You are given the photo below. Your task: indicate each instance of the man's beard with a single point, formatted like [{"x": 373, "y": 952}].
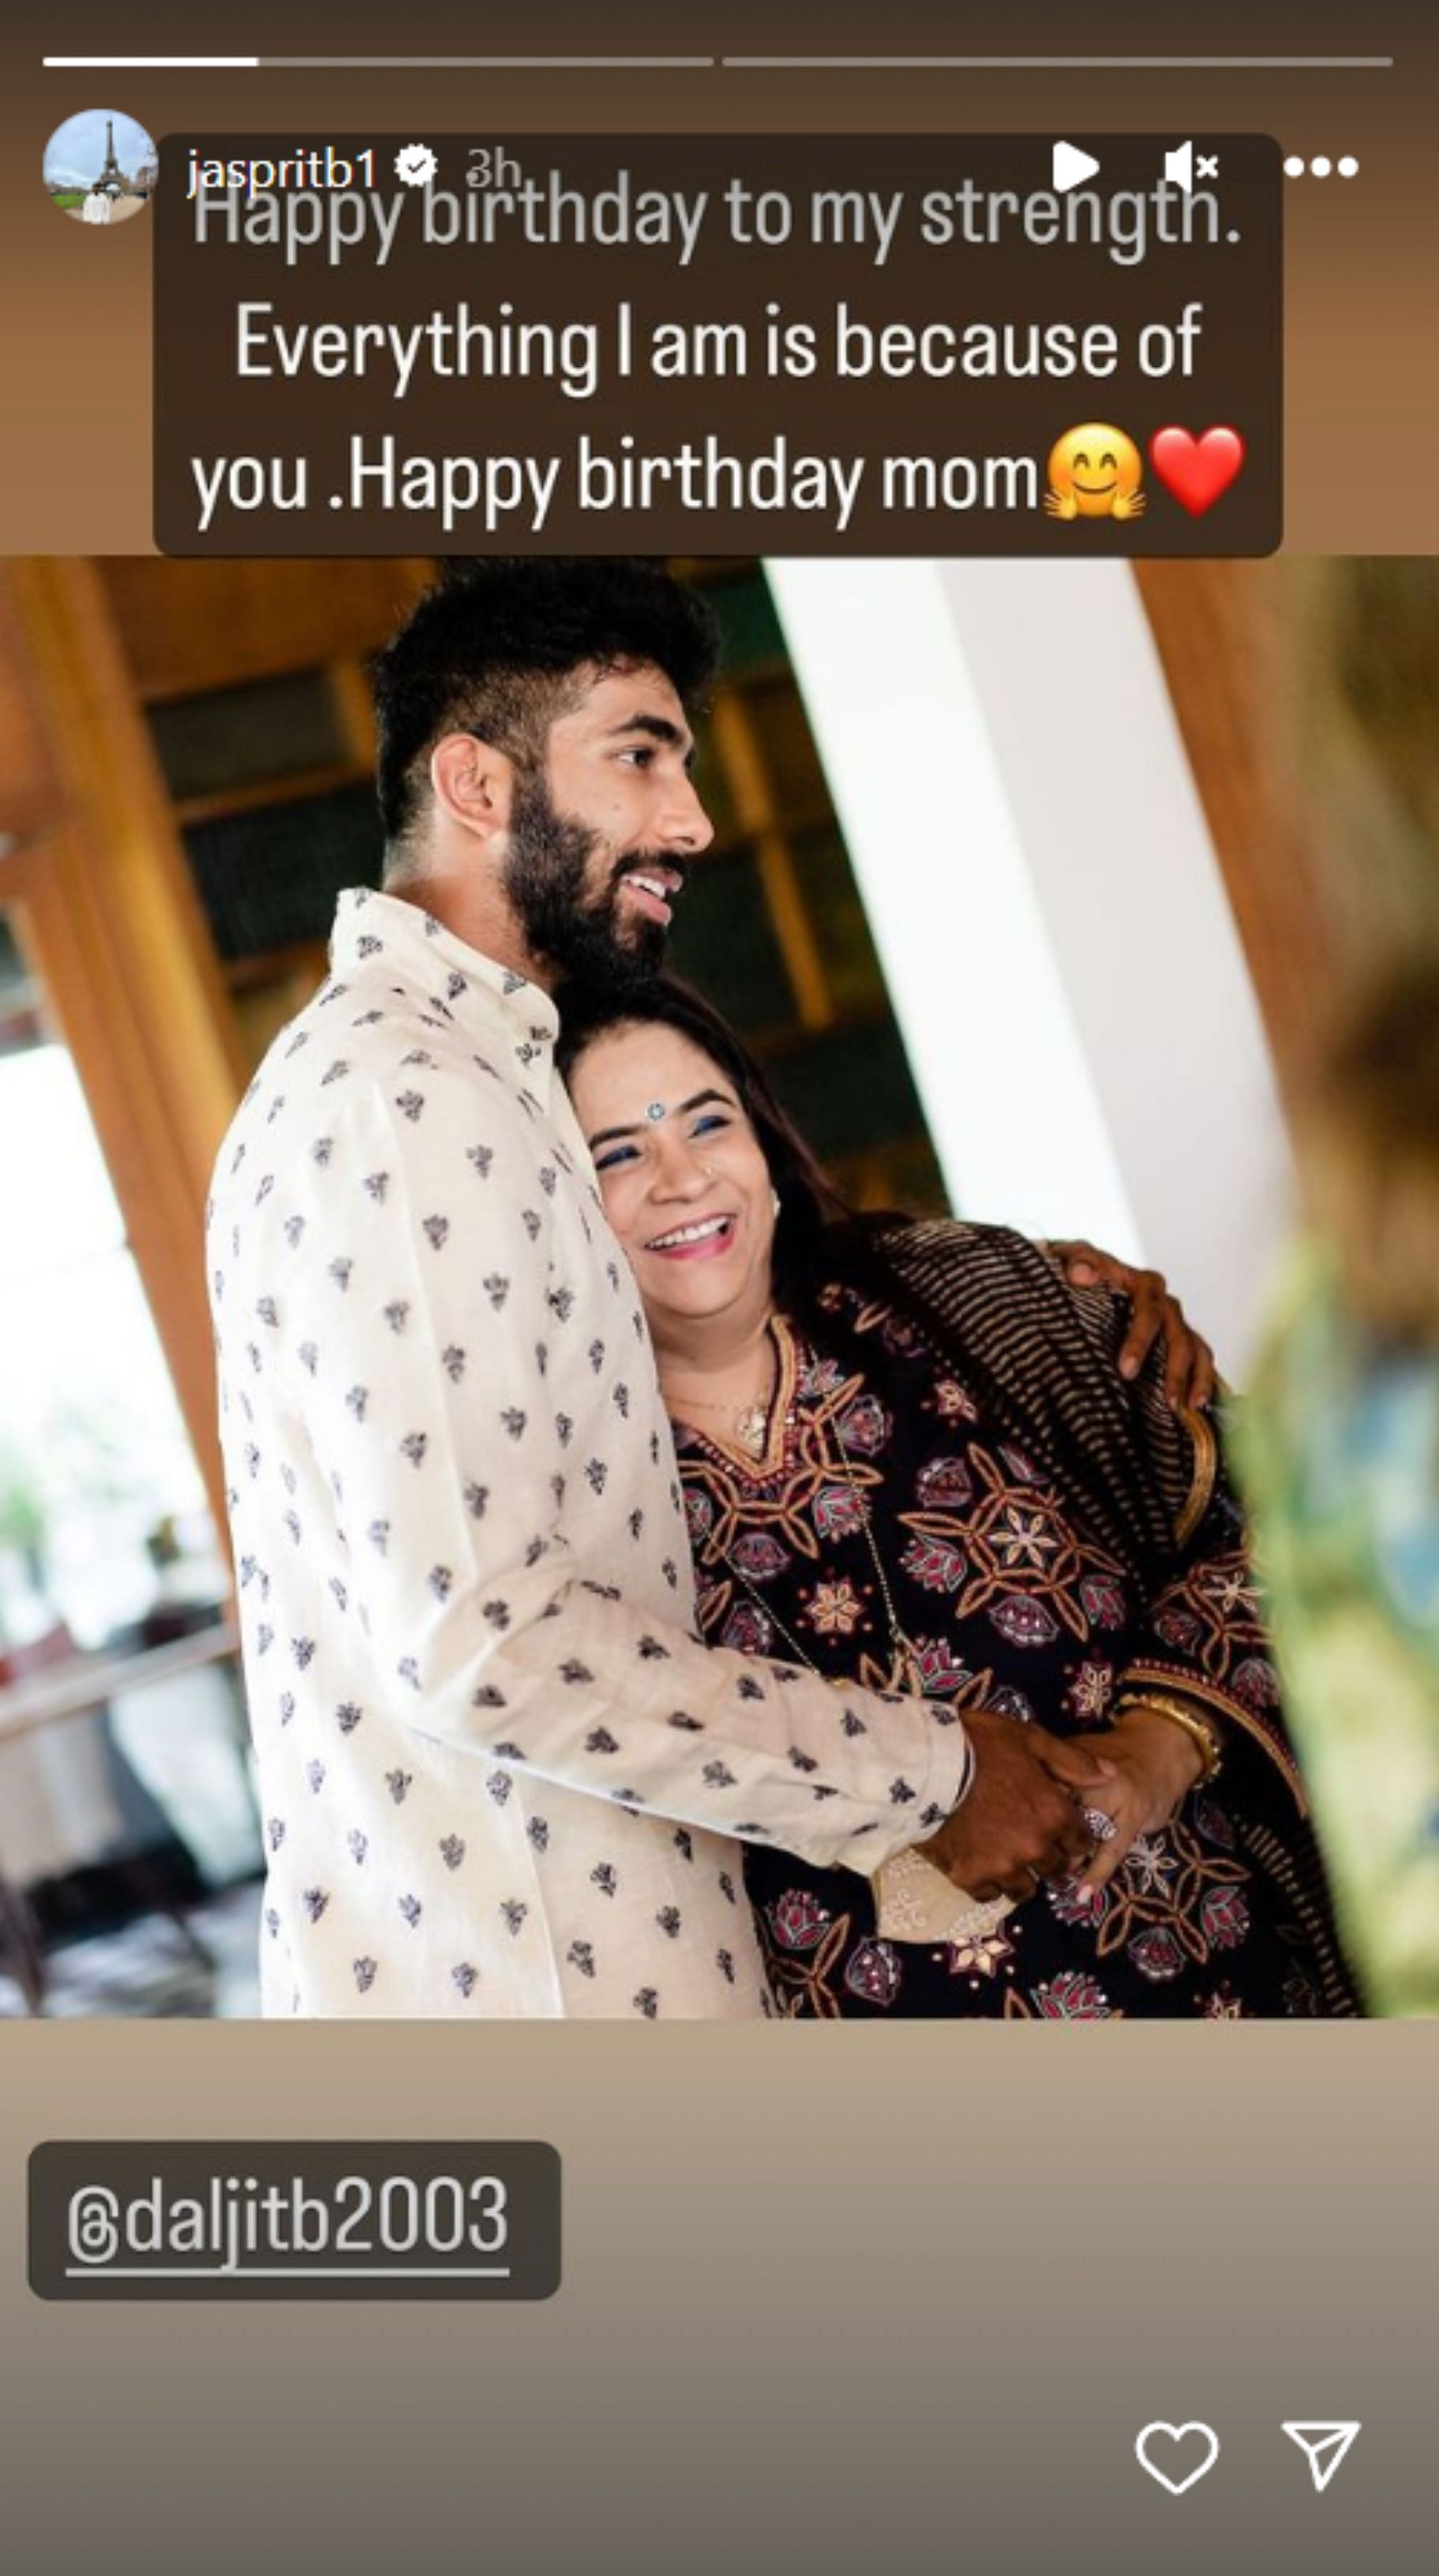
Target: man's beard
[{"x": 580, "y": 936}]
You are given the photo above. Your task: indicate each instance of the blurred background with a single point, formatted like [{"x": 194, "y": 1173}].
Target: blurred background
[{"x": 1022, "y": 883}]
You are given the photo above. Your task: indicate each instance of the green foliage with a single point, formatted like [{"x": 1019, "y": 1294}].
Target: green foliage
[{"x": 22, "y": 1512}]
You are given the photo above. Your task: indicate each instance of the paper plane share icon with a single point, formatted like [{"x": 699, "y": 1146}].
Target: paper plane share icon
[{"x": 1324, "y": 2446}]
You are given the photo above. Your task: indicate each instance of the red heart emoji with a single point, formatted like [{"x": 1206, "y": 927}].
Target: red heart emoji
[{"x": 1196, "y": 470}]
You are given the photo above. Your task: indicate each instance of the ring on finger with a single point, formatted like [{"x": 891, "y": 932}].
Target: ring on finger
[{"x": 1101, "y": 1826}]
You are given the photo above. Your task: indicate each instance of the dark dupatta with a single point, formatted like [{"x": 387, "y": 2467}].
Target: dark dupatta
[{"x": 1140, "y": 1473}]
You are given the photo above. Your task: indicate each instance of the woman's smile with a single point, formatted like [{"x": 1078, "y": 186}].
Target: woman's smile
[{"x": 701, "y": 1239}]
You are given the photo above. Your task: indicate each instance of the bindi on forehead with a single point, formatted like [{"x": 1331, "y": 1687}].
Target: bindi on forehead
[{"x": 655, "y": 1110}]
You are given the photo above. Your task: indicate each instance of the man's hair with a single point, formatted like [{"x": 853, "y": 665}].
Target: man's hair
[{"x": 501, "y": 645}]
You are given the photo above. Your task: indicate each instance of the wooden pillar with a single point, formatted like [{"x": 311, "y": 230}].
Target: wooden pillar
[
  {"x": 112, "y": 922},
  {"x": 1222, "y": 633}
]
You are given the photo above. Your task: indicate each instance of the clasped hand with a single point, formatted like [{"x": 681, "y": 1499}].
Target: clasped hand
[{"x": 1024, "y": 1818}]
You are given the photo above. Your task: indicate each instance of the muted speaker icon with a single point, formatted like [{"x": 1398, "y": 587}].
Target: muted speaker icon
[{"x": 1181, "y": 168}]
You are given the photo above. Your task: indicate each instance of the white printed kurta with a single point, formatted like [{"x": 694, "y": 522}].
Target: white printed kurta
[{"x": 499, "y": 1772}]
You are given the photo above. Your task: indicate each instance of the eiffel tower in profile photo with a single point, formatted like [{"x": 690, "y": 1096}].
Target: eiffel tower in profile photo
[{"x": 112, "y": 181}]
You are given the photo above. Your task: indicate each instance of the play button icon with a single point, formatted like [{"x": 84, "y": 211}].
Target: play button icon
[
  {"x": 1071, "y": 165},
  {"x": 1324, "y": 2446}
]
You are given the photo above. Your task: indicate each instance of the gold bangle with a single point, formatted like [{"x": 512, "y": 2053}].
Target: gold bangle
[{"x": 1198, "y": 1728}]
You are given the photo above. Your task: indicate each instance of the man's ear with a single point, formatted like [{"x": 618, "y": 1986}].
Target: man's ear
[{"x": 472, "y": 783}]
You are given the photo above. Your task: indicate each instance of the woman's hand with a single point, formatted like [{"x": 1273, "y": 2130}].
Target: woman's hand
[
  {"x": 1155, "y": 1764},
  {"x": 1022, "y": 1819},
  {"x": 1189, "y": 1372}
]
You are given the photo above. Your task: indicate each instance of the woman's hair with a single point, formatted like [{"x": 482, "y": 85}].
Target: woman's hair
[{"x": 817, "y": 1233}]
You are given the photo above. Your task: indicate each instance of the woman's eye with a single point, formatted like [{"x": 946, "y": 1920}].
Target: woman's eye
[
  {"x": 611, "y": 1161},
  {"x": 703, "y": 1126}
]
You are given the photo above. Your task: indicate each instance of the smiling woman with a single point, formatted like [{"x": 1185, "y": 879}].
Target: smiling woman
[
  {"x": 909, "y": 1461},
  {"x": 688, "y": 1191}
]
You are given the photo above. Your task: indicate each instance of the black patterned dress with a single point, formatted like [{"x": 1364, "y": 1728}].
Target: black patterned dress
[{"x": 1010, "y": 1606}]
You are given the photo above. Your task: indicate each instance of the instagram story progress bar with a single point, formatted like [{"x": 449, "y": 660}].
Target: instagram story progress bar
[{"x": 721, "y": 62}]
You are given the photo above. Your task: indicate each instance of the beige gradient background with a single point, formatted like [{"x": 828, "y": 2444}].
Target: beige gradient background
[
  {"x": 1363, "y": 380},
  {"x": 856, "y": 2299}
]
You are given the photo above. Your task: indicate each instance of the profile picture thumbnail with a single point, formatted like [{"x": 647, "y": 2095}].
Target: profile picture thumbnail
[{"x": 100, "y": 166}]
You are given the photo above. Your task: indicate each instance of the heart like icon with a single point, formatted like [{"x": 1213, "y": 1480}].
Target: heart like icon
[
  {"x": 1154, "y": 2438},
  {"x": 1196, "y": 470}
]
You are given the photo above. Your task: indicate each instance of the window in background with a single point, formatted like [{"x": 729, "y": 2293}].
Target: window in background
[
  {"x": 97, "y": 1480},
  {"x": 255, "y": 699}
]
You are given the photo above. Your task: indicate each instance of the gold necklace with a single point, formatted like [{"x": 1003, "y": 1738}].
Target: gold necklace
[
  {"x": 749, "y": 1423},
  {"x": 906, "y": 1671}
]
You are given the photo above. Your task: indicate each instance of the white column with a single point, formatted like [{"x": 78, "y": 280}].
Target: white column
[{"x": 1049, "y": 911}]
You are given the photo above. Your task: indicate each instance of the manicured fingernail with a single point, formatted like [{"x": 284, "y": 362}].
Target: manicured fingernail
[{"x": 1129, "y": 1366}]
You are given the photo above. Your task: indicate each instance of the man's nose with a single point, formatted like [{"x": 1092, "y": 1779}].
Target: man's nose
[{"x": 687, "y": 827}]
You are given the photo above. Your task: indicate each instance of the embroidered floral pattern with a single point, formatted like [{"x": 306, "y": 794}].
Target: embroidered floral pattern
[
  {"x": 1090, "y": 1692},
  {"x": 1072, "y": 1997},
  {"x": 982, "y": 1955},
  {"x": 1008, "y": 1606},
  {"x": 798, "y": 1918},
  {"x": 872, "y": 1971},
  {"x": 835, "y": 1609}
]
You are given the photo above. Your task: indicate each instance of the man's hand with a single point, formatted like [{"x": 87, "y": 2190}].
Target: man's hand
[
  {"x": 1154, "y": 1763},
  {"x": 1022, "y": 1821},
  {"x": 1189, "y": 1372}
]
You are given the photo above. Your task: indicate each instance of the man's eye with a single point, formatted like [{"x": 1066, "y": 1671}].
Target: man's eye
[{"x": 642, "y": 756}]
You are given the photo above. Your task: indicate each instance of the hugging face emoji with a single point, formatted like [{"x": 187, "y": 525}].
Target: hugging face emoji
[{"x": 1095, "y": 472}]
